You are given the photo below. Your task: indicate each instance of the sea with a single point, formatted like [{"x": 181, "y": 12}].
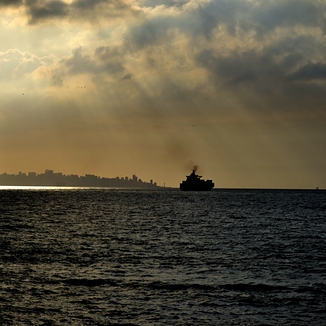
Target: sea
[{"x": 91, "y": 256}]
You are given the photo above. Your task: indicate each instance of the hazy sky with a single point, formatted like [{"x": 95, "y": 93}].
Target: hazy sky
[{"x": 153, "y": 87}]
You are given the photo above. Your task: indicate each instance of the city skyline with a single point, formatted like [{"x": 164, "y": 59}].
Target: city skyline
[
  {"x": 52, "y": 178},
  {"x": 109, "y": 87}
]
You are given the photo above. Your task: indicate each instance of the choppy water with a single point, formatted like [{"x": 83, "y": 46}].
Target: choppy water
[{"x": 135, "y": 257}]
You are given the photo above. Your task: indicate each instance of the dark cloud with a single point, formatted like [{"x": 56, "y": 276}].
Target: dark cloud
[
  {"x": 240, "y": 67},
  {"x": 104, "y": 61},
  {"x": 262, "y": 17},
  {"x": 167, "y": 3},
  {"x": 126, "y": 77},
  {"x": 87, "y": 4},
  {"x": 310, "y": 72},
  {"x": 279, "y": 61},
  {"x": 42, "y": 10},
  {"x": 109, "y": 59},
  {"x": 269, "y": 75},
  {"x": 10, "y": 2},
  {"x": 231, "y": 13},
  {"x": 274, "y": 14},
  {"x": 236, "y": 16},
  {"x": 194, "y": 22},
  {"x": 105, "y": 53},
  {"x": 99, "y": 10},
  {"x": 148, "y": 33},
  {"x": 79, "y": 62},
  {"x": 303, "y": 46}
]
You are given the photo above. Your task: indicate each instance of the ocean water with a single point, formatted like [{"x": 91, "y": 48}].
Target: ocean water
[{"x": 138, "y": 257}]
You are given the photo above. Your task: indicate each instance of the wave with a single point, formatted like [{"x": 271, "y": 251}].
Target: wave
[
  {"x": 253, "y": 287},
  {"x": 89, "y": 282},
  {"x": 180, "y": 287}
]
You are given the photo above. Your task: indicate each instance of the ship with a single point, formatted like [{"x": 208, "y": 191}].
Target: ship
[{"x": 195, "y": 183}]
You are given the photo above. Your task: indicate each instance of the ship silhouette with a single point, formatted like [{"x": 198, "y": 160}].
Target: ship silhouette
[{"x": 195, "y": 183}]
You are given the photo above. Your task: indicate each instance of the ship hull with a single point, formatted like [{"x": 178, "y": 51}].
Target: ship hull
[{"x": 205, "y": 186}]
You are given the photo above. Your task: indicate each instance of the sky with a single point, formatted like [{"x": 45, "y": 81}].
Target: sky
[{"x": 152, "y": 88}]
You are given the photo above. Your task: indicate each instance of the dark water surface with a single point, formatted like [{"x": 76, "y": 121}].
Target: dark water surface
[{"x": 135, "y": 257}]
